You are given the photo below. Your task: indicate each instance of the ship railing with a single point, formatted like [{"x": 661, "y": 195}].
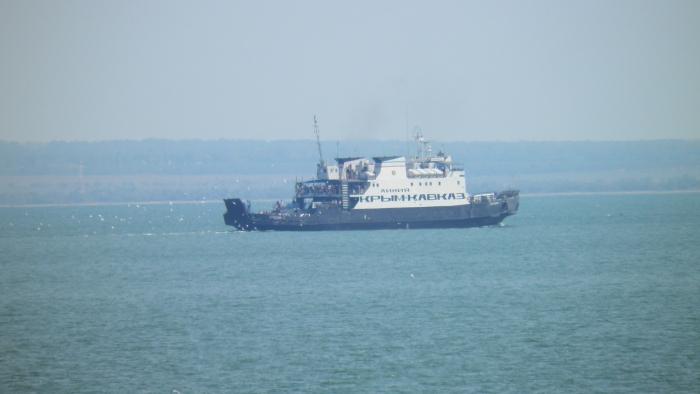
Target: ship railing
[
  {"x": 508, "y": 193},
  {"x": 357, "y": 174},
  {"x": 439, "y": 171},
  {"x": 456, "y": 166},
  {"x": 484, "y": 198},
  {"x": 317, "y": 189},
  {"x": 425, "y": 173},
  {"x": 316, "y": 194}
]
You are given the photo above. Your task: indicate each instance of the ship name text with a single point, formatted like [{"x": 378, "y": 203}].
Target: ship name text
[{"x": 413, "y": 197}]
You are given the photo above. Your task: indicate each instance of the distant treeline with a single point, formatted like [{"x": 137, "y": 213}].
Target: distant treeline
[
  {"x": 195, "y": 157},
  {"x": 65, "y": 172}
]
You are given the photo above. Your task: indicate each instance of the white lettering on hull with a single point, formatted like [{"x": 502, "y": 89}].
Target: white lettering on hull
[{"x": 410, "y": 200}]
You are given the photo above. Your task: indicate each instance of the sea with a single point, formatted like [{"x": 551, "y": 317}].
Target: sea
[{"x": 575, "y": 294}]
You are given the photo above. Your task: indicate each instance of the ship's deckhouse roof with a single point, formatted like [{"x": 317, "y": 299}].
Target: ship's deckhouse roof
[
  {"x": 341, "y": 160},
  {"x": 385, "y": 158},
  {"x": 378, "y": 159}
]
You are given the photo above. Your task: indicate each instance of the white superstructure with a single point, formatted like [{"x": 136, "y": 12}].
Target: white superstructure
[{"x": 395, "y": 182}]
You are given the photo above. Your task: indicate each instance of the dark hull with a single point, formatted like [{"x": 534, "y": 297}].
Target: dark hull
[{"x": 468, "y": 215}]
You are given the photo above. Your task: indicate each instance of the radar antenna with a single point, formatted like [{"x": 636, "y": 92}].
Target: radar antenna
[{"x": 318, "y": 141}]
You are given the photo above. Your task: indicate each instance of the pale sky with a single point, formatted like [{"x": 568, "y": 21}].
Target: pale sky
[{"x": 461, "y": 70}]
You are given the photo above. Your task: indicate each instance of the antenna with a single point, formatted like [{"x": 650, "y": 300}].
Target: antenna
[
  {"x": 318, "y": 141},
  {"x": 408, "y": 146},
  {"x": 420, "y": 142}
]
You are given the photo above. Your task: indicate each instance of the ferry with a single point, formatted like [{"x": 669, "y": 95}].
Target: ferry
[{"x": 388, "y": 192}]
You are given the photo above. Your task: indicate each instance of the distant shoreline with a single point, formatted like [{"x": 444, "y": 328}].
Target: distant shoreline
[{"x": 193, "y": 202}]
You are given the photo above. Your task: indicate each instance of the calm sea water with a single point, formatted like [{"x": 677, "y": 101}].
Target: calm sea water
[{"x": 574, "y": 294}]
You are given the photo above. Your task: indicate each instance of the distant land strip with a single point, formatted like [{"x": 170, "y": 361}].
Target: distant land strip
[{"x": 118, "y": 172}]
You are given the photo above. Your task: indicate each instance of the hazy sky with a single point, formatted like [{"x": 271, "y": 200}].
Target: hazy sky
[{"x": 482, "y": 70}]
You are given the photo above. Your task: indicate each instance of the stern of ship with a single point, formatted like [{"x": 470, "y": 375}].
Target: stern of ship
[{"x": 510, "y": 201}]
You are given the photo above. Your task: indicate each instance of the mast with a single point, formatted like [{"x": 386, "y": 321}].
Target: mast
[
  {"x": 318, "y": 142},
  {"x": 420, "y": 143},
  {"x": 425, "y": 151}
]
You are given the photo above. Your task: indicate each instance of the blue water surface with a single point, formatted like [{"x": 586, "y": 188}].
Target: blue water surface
[{"x": 574, "y": 294}]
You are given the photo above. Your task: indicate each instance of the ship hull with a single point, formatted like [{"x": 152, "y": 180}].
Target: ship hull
[{"x": 461, "y": 216}]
